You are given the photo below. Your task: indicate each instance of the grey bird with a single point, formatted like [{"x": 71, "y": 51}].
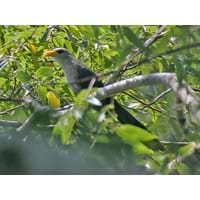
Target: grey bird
[{"x": 79, "y": 77}]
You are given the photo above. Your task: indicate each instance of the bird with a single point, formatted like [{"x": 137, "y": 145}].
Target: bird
[{"x": 79, "y": 77}]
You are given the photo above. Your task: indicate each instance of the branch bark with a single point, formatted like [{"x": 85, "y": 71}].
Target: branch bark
[{"x": 185, "y": 94}]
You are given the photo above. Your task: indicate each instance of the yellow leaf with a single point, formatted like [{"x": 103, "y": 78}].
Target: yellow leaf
[
  {"x": 53, "y": 100},
  {"x": 32, "y": 47}
]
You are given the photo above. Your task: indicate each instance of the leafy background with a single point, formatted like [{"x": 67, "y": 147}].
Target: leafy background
[{"x": 86, "y": 140}]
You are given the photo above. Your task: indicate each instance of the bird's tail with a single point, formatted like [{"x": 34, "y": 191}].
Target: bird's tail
[{"x": 125, "y": 117}]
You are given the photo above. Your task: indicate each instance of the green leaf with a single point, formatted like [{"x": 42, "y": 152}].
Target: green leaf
[
  {"x": 44, "y": 72},
  {"x": 74, "y": 30},
  {"x": 142, "y": 149},
  {"x": 68, "y": 45},
  {"x": 81, "y": 100},
  {"x": 42, "y": 93},
  {"x": 64, "y": 127},
  {"x": 87, "y": 31},
  {"x": 183, "y": 169},
  {"x": 132, "y": 37},
  {"x": 186, "y": 150},
  {"x": 180, "y": 71},
  {"x": 133, "y": 134},
  {"x": 47, "y": 33},
  {"x": 2, "y": 82},
  {"x": 22, "y": 76},
  {"x": 20, "y": 114},
  {"x": 102, "y": 139}
]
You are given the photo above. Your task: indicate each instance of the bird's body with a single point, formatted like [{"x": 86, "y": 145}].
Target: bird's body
[
  {"x": 72, "y": 75},
  {"x": 79, "y": 77}
]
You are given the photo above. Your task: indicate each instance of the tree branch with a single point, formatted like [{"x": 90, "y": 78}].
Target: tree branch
[{"x": 185, "y": 94}]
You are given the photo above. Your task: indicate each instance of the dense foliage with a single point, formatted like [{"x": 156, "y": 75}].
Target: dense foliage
[{"x": 34, "y": 94}]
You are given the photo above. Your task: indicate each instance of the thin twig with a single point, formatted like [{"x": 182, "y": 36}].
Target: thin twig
[
  {"x": 148, "y": 59},
  {"x": 14, "y": 88},
  {"x": 10, "y": 99},
  {"x": 176, "y": 143},
  {"x": 159, "y": 96},
  {"x": 11, "y": 109},
  {"x": 135, "y": 53},
  {"x": 9, "y": 123},
  {"x": 150, "y": 106}
]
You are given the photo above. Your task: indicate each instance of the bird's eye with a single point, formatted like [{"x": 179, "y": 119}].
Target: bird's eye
[{"x": 60, "y": 51}]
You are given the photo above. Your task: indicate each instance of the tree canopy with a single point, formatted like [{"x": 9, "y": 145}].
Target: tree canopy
[{"x": 153, "y": 71}]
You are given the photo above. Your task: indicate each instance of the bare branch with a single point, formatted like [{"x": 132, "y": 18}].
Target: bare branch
[{"x": 142, "y": 80}]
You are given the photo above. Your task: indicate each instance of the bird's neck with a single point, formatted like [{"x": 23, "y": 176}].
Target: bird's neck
[{"x": 70, "y": 71}]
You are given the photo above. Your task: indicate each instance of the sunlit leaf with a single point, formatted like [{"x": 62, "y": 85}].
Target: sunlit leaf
[
  {"x": 142, "y": 149},
  {"x": 44, "y": 72},
  {"x": 32, "y": 47},
  {"x": 64, "y": 127},
  {"x": 47, "y": 33},
  {"x": 2, "y": 82},
  {"x": 42, "y": 93},
  {"x": 132, "y": 37},
  {"x": 22, "y": 76},
  {"x": 186, "y": 150},
  {"x": 133, "y": 134}
]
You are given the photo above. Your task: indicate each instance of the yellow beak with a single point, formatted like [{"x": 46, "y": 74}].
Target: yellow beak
[{"x": 50, "y": 53}]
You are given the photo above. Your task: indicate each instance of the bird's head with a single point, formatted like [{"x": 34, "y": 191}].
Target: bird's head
[{"x": 58, "y": 54}]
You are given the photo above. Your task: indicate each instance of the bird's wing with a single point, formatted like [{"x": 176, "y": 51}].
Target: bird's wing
[{"x": 85, "y": 76}]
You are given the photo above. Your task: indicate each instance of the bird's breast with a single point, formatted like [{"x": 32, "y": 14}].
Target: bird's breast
[{"x": 72, "y": 78}]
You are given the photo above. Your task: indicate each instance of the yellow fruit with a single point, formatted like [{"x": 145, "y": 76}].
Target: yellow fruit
[{"x": 53, "y": 100}]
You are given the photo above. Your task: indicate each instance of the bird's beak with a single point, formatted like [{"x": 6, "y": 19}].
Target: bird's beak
[{"x": 50, "y": 53}]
